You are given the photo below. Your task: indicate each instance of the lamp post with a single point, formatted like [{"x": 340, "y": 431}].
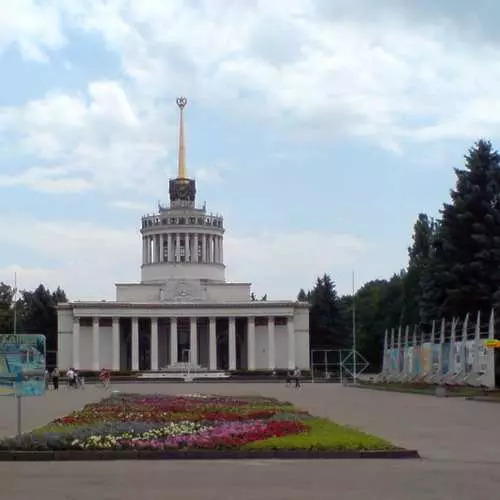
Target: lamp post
[{"x": 354, "y": 367}]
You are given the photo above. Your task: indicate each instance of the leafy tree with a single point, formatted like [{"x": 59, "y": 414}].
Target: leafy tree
[
  {"x": 464, "y": 272},
  {"x": 378, "y": 307},
  {"x": 6, "y": 300},
  {"x": 325, "y": 316},
  {"x": 39, "y": 314}
]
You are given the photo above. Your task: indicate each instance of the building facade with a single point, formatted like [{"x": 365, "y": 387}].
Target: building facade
[{"x": 183, "y": 310}]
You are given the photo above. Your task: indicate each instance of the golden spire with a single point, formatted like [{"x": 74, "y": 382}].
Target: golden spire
[{"x": 181, "y": 174}]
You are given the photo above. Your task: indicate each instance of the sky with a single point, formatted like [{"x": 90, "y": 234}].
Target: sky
[{"x": 318, "y": 128}]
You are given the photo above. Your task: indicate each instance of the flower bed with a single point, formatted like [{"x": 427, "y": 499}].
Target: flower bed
[{"x": 129, "y": 422}]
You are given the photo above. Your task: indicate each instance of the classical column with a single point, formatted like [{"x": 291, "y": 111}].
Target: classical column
[
  {"x": 157, "y": 248},
  {"x": 215, "y": 250},
  {"x": 251, "y": 342},
  {"x": 204, "y": 248},
  {"x": 212, "y": 344},
  {"x": 187, "y": 251},
  {"x": 76, "y": 343},
  {"x": 193, "y": 341},
  {"x": 232, "y": 343},
  {"x": 170, "y": 253},
  {"x": 95, "y": 344},
  {"x": 221, "y": 249},
  {"x": 135, "y": 344},
  {"x": 144, "y": 250},
  {"x": 154, "y": 344},
  {"x": 162, "y": 248},
  {"x": 178, "y": 247},
  {"x": 174, "y": 344},
  {"x": 291, "y": 343},
  {"x": 116, "y": 344},
  {"x": 195, "y": 247},
  {"x": 270, "y": 341}
]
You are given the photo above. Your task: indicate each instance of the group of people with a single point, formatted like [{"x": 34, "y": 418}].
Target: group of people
[{"x": 74, "y": 379}]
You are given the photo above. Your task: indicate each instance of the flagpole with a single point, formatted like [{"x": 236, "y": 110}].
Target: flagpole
[
  {"x": 15, "y": 303},
  {"x": 354, "y": 371}
]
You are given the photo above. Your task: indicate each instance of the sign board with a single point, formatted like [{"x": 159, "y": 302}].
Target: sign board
[
  {"x": 492, "y": 343},
  {"x": 22, "y": 365}
]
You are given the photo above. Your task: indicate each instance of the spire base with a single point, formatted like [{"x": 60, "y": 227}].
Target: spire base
[{"x": 182, "y": 192}]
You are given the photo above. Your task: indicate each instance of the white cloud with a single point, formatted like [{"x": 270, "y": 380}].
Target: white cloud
[
  {"x": 131, "y": 205},
  {"x": 46, "y": 179},
  {"x": 304, "y": 63},
  {"x": 89, "y": 259},
  {"x": 33, "y": 27},
  {"x": 377, "y": 75},
  {"x": 92, "y": 139}
]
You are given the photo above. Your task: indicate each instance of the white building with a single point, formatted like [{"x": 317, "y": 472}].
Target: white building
[{"x": 183, "y": 309}]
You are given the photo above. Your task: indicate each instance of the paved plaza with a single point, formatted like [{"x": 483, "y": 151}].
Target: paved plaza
[{"x": 457, "y": 439}]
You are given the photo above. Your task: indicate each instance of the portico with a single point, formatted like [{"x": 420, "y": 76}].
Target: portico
[
  {"x": 140, "y": 343},
  {"x": 183, "y": 310}
]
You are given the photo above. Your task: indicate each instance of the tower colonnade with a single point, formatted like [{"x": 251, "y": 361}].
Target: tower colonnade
[{"x": 182, "y": 247}]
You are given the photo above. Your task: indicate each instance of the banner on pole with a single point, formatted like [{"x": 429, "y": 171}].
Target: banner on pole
[{"x": 22, "y": 365}]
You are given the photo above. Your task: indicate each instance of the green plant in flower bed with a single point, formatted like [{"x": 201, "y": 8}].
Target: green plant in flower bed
[{"x": 160, "y": 422}]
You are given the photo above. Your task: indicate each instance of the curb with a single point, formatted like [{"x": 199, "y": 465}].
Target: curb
[
  {"x": 483, "y": 399},
  {"x": 409, "y": 391},
  {"x": 93, "y": 455}
]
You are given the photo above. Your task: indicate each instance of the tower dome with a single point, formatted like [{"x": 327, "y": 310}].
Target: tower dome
[{"x": 181, "y": 241}]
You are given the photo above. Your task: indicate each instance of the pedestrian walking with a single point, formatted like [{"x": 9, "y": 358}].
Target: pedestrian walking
[{"x": 55, "y": 378}]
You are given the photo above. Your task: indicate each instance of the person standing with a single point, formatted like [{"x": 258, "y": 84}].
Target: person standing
[
  {"x": 296, "y": 376},
  {"x": 47, "y": 378},
  {"x": 55, "y": 378},
  {"x": 71, "y": 377}
]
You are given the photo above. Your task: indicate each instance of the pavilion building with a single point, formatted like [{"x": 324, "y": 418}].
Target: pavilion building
[{"x": 183, "y": 310}]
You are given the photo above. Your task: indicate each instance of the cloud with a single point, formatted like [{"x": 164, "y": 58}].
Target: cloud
[
  {"x": 131, "y": 205},
  {"x": 33, "y": 27},
  {"x": 46, "y": 179},
  {"x": 88, "y": 259},
  {"x": 350, "y": 67},
  {"x": 392, "y": 74},
  {"x": 92, "y": 139}
]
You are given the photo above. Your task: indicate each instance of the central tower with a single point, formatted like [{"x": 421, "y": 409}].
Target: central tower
[{"x": 182, "y": 242}]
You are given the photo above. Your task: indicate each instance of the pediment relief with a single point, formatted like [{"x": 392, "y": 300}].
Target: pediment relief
[{"x": 183, "y": 291}]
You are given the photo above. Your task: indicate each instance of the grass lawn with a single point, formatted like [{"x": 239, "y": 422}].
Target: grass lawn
[{"x": 193, "y": 422}]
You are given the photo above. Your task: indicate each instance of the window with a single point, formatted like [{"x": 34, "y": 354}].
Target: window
[
  {"x": 182, "y": 220},
  {"x": 192, "y": 220}
]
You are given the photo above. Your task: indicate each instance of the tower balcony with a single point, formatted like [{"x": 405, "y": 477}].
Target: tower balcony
[{"x": 170, "y": 220}]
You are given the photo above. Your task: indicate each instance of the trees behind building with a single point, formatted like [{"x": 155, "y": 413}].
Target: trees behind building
[{"x": 453, "y": 268}]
